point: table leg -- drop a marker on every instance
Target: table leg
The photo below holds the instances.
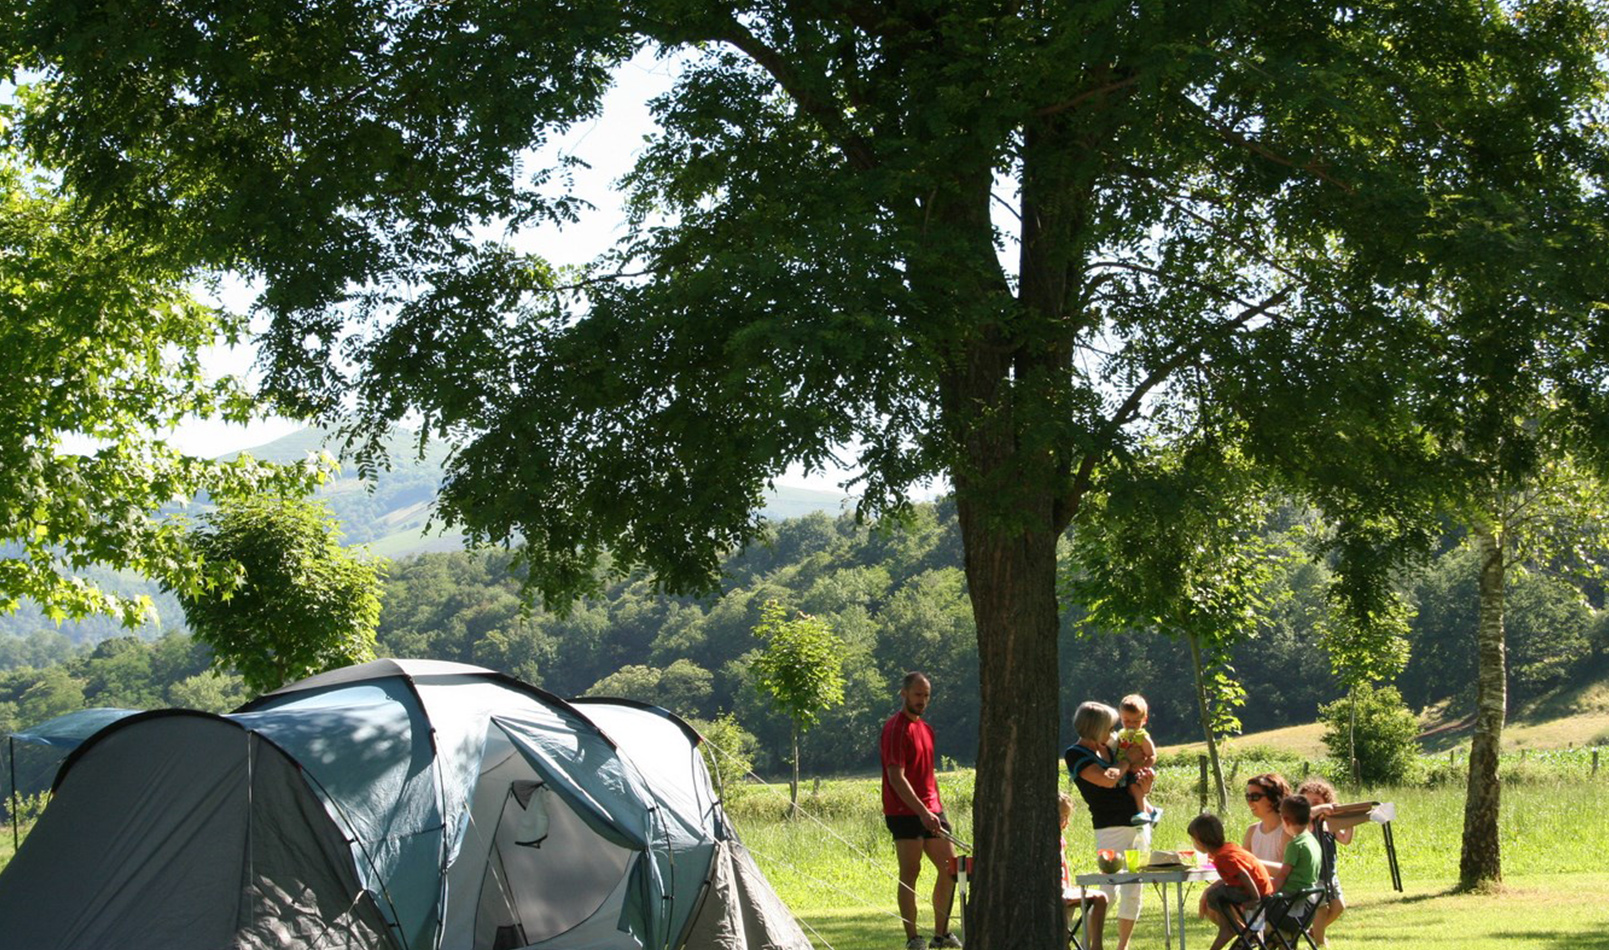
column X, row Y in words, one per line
column 1179, row 890
column 1167, row 928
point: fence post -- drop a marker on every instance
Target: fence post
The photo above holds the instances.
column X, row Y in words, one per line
column 1452, row 756
column 1595, row 763
column 1202, row 785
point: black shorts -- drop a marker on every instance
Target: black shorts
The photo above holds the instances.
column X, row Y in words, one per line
column 910, row 826
column 1221, row 895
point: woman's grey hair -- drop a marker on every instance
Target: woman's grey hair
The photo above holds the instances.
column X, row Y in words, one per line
column 1093, row 721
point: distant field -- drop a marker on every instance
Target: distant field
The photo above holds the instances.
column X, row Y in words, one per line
column 1585, row 724
column 1306, row 741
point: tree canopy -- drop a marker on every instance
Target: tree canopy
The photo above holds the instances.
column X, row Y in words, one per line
column 1219, row 208
column 100, row 354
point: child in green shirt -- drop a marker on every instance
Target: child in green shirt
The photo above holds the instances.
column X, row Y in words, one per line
column 1300, row 868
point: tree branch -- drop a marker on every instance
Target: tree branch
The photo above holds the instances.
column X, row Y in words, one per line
column 1086, row 96
column 821, row 108
column 1313, row 166
column 1183, row 354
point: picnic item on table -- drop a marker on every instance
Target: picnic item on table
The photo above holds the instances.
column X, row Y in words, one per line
column 1171, row 861
column 1110, row 862
column 1131, row 859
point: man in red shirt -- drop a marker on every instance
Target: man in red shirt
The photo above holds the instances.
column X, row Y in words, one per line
column 914, row 814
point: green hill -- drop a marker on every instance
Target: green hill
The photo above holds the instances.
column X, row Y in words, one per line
column 390, row 514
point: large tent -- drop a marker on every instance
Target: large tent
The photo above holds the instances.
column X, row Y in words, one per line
column 404, row 805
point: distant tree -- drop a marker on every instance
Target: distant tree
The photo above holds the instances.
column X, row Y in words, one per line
column 53, row 692
column 800, row 669
column 683, row 687
column 1532, row 502
column 728, row 750
column 298, row 603
column 210, row 691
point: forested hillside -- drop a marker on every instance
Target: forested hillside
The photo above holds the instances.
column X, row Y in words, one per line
column 388, row 512
column 897, row 599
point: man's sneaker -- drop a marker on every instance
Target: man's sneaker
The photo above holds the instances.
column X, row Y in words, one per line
column 1141, row 818
column 948, row 940
column 1155, row 816
column 915, row 943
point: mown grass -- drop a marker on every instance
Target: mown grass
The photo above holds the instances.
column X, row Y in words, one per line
column 836, row 869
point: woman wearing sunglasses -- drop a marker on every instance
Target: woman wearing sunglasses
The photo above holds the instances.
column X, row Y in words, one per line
column 1266, row 838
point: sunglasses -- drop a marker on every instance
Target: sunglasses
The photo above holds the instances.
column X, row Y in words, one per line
column 1255, row 796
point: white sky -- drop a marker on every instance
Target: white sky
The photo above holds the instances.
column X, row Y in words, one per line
column 609, row 145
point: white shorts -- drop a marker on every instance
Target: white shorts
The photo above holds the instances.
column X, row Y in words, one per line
column 1119, row 838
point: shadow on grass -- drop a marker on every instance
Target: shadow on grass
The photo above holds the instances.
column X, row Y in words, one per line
column 1556, row 938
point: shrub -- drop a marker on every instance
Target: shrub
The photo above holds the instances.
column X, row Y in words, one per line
column 1386, row 746
column 728, row 750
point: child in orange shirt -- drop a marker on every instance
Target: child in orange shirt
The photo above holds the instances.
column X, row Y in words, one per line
column 1242, row 879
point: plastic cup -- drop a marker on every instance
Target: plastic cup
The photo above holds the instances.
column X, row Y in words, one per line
column 1131, row 858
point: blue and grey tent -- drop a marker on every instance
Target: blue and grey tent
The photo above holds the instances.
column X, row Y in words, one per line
column 404, row 805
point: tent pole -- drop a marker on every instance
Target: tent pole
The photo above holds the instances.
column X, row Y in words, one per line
column 11, row 749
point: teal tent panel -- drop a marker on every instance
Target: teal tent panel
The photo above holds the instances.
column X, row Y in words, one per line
column 667, row 762
column 367, row 752
column 70, row 731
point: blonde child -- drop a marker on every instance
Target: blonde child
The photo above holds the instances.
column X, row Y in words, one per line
column 1133, row 743
column 1321, row 795
column 1071, row 894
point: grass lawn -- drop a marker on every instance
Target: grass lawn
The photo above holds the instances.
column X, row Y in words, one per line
column 838, row 875
column 836, row 868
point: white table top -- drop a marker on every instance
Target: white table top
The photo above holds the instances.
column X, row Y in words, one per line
column 1163, row 876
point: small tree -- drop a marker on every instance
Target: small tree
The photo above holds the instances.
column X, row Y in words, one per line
column 1173, row 546
column 728, row 750
column 300, row 602
column 1373, row 727
column 800, row 670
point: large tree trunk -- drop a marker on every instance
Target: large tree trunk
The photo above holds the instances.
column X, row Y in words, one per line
column 1481, row 862
column 1005, row 409
column 1012, row 575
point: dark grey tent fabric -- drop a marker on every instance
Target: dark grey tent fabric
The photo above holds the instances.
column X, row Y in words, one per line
column 176, row 855
column 741, row 911
column 398, row 805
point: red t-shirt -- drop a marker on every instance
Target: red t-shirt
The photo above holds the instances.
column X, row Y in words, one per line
column 908, row 743
column 1231, row 859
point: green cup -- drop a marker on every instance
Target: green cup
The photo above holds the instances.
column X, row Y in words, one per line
column 1131, row 858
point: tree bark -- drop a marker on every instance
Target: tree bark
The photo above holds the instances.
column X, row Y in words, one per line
column 1012, row 579
column 1206, row 724
column 1481, row 861
column 793, row 790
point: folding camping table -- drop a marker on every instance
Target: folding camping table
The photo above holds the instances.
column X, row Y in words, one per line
column 1160, row 878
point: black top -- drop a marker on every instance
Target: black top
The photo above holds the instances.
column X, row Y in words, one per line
column 1108, row 807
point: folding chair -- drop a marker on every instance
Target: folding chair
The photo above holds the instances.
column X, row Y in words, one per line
column 1075, row 921
column 1278, row 922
